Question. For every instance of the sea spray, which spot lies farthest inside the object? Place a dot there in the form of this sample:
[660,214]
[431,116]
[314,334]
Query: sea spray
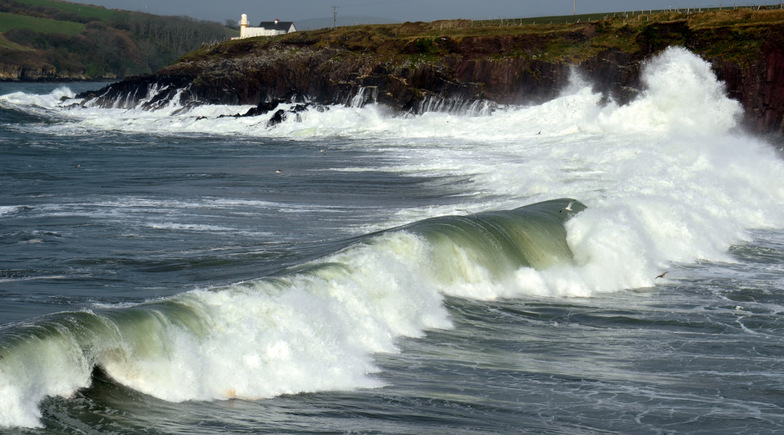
[682,189]
[681,96]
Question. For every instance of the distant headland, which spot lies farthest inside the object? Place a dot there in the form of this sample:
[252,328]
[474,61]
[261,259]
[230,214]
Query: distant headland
[416,66]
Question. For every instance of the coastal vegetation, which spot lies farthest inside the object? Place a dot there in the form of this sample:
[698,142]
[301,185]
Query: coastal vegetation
[57,40]
[730,31]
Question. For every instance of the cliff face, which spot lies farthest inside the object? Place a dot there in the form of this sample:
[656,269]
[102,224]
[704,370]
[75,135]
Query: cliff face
[24,66]
[416,66]
[759,87]
[31,73]
[20,73]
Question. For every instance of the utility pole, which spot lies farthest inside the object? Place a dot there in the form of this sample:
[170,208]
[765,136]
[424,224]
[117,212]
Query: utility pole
[575,7]
[335,16]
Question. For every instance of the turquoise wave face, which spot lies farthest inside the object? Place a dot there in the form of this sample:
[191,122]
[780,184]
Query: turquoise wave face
[501,241]
[310,328]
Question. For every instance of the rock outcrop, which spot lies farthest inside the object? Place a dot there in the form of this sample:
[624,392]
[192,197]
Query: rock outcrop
[417,67]
[25,66]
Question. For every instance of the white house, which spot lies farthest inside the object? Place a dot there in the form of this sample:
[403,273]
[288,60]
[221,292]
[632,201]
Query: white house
[266,28]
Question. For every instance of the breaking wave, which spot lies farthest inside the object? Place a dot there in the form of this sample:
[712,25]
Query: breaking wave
[311,328]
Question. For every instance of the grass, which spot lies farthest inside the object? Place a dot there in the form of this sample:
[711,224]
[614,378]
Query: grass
[78,9]
[41,25]
[731,33]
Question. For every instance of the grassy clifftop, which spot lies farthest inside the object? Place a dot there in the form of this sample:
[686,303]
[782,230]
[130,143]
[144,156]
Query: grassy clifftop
[738,33]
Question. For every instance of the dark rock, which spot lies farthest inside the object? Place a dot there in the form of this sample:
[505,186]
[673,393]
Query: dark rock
[277,118]
[262,108]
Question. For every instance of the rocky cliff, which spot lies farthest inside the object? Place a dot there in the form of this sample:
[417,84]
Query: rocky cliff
[447,64]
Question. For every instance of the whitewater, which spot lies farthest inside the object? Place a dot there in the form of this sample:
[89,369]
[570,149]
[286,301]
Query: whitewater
[576,266]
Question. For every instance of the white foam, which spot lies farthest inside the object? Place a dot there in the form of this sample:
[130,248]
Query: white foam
[668,178]
[9,209]
[51,366]
[307,332]
[188,227]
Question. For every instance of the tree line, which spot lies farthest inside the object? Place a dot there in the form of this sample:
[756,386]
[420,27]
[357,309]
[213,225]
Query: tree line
[114,44]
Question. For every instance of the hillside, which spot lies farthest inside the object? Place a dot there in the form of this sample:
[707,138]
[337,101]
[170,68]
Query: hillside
[57,40]
[415,67]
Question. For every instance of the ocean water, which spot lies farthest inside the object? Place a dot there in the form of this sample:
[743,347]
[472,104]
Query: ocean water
[352,270]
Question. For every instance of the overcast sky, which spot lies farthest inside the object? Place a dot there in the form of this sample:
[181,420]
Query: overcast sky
[396,10]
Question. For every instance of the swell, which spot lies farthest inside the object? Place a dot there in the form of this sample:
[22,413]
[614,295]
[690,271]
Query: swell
[310,328]
[14,116]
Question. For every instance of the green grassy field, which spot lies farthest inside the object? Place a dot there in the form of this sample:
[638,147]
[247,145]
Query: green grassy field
[41,25]
[78,9]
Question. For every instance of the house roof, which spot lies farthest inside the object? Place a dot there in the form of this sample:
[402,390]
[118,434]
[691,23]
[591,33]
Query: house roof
[277,25]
